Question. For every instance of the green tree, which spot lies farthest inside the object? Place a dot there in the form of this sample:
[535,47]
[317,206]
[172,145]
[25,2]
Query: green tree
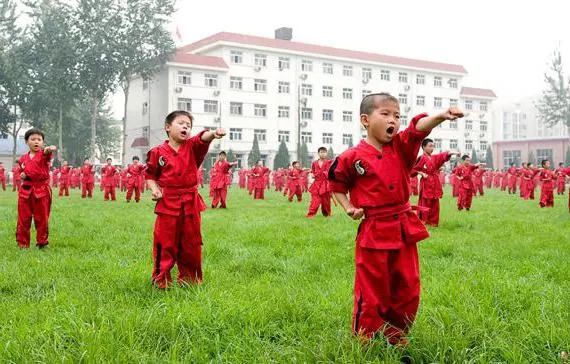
[207,164]
[474,158]
[531,157]
[489,157]
[254,155]
[282,158]
[568,157]
[554,104]
[305,156]
[330,153]
[231,157]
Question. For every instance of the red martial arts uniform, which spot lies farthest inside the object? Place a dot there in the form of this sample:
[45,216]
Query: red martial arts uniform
[87,180]
[64,180]
[55,177]
[219,183]
[454,183]
[241,178]
[320,189]
[387,279]
[3,178]
[108,181]
[16,180]
[560,181]
[527,183]
[177,236]
[478,182]
[512,180]
[431,189]
[547,188]
[34,199]
[259,177]
[414,185]
[466,187]
[134,174]
[201,177]
[295,185]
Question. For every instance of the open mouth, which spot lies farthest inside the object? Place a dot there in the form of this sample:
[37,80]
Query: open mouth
[184,133]
[390,131]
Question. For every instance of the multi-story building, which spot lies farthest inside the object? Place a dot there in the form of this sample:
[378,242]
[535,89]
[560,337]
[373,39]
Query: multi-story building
[277,89]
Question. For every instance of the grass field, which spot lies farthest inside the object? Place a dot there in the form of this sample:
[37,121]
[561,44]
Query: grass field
[278,287]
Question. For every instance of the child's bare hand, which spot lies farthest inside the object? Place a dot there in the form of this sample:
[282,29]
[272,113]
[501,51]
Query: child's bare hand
[156,194]
[219,133]
[50,149]
[23,175]
[452,113]
[354,213]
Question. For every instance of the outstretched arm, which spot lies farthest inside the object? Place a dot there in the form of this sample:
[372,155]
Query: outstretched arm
[430,122]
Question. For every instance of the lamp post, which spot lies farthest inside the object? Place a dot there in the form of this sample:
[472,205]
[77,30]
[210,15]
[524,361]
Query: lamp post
[301,103]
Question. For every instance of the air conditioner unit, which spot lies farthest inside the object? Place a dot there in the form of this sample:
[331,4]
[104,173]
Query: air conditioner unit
[482,135]
[178,90]
[257,69]
[303,100]
[303,76]
[145,129]
[217,119]
[466,134]
[407,87]
[408,108]
[217,93]
[365,80]
[481,116]
[304,123]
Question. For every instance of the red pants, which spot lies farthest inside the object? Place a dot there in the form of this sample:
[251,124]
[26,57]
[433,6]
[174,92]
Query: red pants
[479,188]
[546,196]
[38,209]
[295,191]
[130,189]
[455,190]
[87,189]
[430,217]
[320,200]
[219,196]
[3,182]
[259,193]
[63,189]
[177,240]
[464,199]
[110,191]
[16,185]
[386,291]
[561,186]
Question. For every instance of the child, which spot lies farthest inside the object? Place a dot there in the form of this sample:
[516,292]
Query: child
[108,180]
[171,175]
[34,195]
[466,188]
[87,179]
[560,179]
[259,173]
[3,176]
[134,172]
[219,181]
[294,182]
[431,189]
[64,178]
[547,188]
[16,180]
[320,190]
[376,174]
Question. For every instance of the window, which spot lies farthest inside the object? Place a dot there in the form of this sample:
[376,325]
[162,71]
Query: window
[260,60]
[420,79]
[185,104]
[327,115]
[211,106]
[437,81]
[437,102]
[307,137]
[306,66]
[347,93]
[366,93]
[482,145]
[236,83]
[184,78]
[306,90]
[468,105]
[328,68]
[283,87]
[468,124]
[543,154]
[346,139]
[468,144]
[347,71]
[385,75]
[403,99]
[327,91]
[420,100]
[260,85]
[453,102]
[347,116]
[283,111]
[511,156]
[283,63]
[437,144]
[453,82]
[453,144]
[483,126]
[453,124]
[403,120]
[236,108]
[211,80]
[261,135]
[283,136]
[483,106]
[235,134]
[239,159]
[327,138]
[367,74]
[403,77]
[260,110]
[307,113]
[236,57]
[145,83]
[145,108]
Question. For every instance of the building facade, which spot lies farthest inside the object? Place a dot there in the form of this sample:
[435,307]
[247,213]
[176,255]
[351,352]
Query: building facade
[277,89]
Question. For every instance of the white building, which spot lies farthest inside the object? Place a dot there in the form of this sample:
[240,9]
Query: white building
[279,89]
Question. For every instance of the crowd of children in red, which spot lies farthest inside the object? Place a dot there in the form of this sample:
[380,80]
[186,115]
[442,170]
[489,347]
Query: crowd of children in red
[373,180]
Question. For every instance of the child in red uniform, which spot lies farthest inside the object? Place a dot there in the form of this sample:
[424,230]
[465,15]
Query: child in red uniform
[320,190]
[172,177]
[431,189]
[259,173]
[87,179]
[134,172]
[547,178]
[64,178]
[34,196]
[16,180]
[219,182]
[478,182]
[2,176]
[560,179]
[376,174]
[108,180]
[294,182]
[466,188]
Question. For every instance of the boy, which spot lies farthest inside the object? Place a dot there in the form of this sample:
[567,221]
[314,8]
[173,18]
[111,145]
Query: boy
[560,179]
[64,178]
[3,176]
[466,188]
[219,182]
[134,172]
[171,175]
[320,190]
[258,173]
[294,182]
[431,189]
[547,188]
[108,180]
[16,180]
[87,179]
[376,173]
[34,195]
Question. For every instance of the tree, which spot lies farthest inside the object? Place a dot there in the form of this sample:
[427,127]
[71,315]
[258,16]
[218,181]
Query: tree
[231,157]
[474,158]
[350,145]
[568,157]
[330,153]
[207,164]
[304,156]
[143,43]
[255,154]
[282,158]
[554,104]
[531,157]
[489,157]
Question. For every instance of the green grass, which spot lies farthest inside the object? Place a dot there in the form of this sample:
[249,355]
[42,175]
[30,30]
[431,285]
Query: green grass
[278,287]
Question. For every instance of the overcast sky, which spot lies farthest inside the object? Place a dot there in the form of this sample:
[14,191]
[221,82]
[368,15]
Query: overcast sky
[504,45]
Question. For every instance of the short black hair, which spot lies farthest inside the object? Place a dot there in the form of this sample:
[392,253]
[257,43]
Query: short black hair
[560,164]
[543,163]
[33,131]
[426,141]
[222,153]
[109,159]
[86,159]
[136,158]
[465,156]
[322,149]
[369,102]
[528,164]
[294,162]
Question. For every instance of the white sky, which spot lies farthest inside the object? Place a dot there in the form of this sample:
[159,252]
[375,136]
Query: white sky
[505,45]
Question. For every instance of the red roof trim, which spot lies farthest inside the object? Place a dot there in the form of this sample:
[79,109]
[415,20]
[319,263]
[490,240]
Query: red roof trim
[198,59]
[140,142]
[482,92]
